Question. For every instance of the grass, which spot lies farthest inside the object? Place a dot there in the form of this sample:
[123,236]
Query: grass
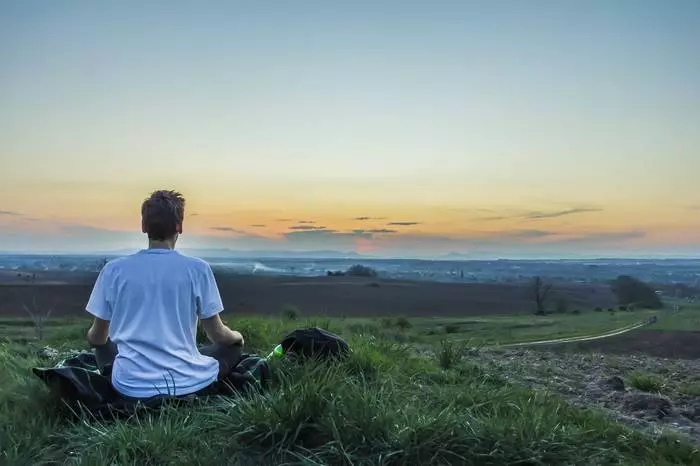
[391,403]
[515,329]
[688,320]
[474,331]
[646,382]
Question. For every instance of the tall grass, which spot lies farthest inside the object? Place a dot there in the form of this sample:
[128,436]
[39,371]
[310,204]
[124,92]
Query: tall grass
[385,405]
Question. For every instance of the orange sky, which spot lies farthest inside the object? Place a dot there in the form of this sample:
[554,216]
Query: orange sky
[499,131]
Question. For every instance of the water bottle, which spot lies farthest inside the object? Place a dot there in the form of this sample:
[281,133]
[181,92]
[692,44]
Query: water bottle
[278,352]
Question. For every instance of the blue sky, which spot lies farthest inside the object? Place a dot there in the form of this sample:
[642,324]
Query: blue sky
[447,114]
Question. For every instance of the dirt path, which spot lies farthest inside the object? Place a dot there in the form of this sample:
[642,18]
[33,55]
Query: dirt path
[611,333]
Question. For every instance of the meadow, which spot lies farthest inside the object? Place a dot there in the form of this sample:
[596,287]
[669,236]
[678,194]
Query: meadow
[409,394]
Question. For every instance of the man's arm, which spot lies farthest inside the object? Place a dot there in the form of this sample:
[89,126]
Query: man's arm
[100,306]
[98,333]
[218,332]
[209,307]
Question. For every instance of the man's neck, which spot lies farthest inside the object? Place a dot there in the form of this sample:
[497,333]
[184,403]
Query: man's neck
[167,244]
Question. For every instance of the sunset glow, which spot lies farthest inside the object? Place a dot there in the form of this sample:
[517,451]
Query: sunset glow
[495,129]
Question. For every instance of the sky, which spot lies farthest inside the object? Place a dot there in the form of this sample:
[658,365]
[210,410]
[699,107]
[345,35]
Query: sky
[535,128]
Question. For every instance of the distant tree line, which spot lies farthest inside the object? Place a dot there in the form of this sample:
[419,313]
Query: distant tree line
[356,270]
[629,292]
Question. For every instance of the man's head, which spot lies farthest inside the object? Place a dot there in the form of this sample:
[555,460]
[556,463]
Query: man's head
[162,215]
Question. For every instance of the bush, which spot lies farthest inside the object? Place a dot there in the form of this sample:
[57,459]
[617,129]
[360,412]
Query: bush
[629,290]
[576,311]
[358,270]
[599,309]
[451,328]
[290,312]
[690,389]
[646,382]
[450,354]
[622,308]
[403,323]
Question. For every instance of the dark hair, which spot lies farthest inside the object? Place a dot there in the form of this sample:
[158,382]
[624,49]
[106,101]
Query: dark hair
[161,214]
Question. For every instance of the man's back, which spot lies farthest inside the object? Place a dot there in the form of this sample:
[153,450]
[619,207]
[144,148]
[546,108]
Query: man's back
[153,299]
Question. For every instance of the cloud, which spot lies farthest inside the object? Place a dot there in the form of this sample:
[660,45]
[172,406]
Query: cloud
[559,213]
[322,239]
[403,224]
[606,237]
[284,220]
[382,231]
[525,234]
[10,213]
[694,207]
[306,222]
[57,236]
[539,215]
[325,238]
[229,230]
[310,233]
[362,219]
[307,228]
[79,229]
[258,225]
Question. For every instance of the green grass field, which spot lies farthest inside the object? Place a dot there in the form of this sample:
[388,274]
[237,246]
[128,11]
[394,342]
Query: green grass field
[407,395]
[688,320]
[474,331]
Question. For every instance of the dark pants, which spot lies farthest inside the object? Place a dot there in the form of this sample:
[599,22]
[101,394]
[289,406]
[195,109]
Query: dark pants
[227,356]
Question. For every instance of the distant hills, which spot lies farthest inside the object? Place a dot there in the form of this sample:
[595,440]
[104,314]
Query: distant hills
[332,254]
[239,254]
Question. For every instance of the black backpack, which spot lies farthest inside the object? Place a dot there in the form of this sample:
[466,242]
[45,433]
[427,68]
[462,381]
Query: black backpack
[315,343]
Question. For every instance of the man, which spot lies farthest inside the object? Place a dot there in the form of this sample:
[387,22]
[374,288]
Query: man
[146,307]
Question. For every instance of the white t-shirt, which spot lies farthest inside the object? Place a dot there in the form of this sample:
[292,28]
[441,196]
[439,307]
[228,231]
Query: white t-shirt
[153,299]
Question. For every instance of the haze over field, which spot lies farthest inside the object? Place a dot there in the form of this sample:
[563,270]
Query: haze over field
[507,128]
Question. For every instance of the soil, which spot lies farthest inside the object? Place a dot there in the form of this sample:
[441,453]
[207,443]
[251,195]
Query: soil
[603,381]
[67,293]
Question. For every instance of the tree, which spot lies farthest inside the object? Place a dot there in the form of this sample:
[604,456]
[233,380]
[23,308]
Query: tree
[540,292]
[38,314]
[631,291]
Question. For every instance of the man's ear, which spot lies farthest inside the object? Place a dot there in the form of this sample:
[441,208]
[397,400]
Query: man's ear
[178,228]
[143,227]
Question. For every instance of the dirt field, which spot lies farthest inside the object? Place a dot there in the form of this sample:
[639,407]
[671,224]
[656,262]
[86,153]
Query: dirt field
[656,343]
[333,296]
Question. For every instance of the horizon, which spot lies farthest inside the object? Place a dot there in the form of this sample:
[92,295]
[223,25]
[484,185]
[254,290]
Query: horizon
[233,254]
[392,130]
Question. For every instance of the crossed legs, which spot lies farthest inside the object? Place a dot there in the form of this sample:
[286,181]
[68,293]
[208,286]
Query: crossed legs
[227,356]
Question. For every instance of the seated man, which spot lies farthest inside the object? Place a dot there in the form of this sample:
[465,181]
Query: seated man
[146,307]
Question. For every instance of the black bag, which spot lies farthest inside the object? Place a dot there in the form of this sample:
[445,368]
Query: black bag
[315,343]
